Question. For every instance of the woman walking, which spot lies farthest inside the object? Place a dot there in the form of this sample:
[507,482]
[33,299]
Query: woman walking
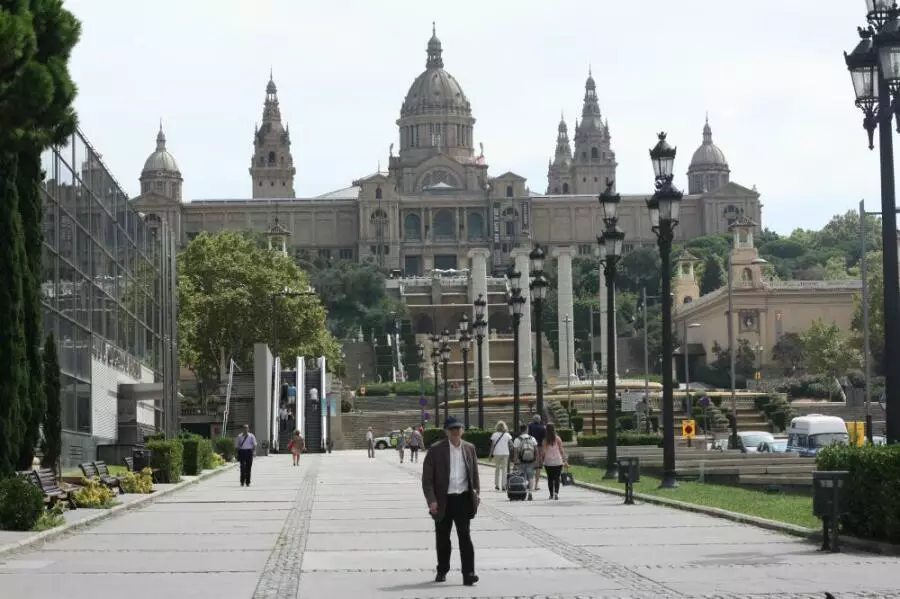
[500,441]
[296,447]
[554,458]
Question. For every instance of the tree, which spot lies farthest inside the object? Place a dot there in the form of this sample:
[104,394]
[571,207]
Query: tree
[51,444]
[355,296]
[788,352]
[229,299]
[713,275]
[828,351]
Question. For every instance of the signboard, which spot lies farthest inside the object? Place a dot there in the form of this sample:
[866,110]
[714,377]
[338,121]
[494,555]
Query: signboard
[526,217]
[688,429]
[630,400]
[496,226]
[362,390]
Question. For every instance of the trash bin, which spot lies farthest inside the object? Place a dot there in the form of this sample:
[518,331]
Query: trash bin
[141,458]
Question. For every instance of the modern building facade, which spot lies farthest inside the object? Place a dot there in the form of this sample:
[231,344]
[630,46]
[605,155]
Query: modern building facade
[109,299]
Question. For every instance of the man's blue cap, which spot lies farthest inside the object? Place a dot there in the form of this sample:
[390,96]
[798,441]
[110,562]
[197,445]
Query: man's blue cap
[452,422]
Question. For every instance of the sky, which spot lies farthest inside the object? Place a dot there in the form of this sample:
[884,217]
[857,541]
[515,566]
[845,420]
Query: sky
[770,74]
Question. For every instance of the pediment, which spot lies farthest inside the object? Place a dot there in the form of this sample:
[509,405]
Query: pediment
[150,201]
[373,178]
[440,173]
[732,189]
[510,175]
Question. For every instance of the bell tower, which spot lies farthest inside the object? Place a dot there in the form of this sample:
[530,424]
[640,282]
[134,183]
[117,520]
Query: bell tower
[746,265]
[686,287]
[272,166]
[594,160]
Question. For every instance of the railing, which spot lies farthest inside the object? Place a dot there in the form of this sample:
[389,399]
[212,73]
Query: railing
[110,355]
[836,284]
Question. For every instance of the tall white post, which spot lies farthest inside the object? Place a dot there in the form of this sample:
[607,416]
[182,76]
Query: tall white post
[526,374]
[565,314]
[478,263]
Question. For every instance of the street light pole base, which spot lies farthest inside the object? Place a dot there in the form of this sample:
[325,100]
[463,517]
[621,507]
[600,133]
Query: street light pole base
[612,473]
[668,482]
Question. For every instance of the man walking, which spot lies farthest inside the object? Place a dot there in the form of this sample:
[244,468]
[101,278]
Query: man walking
[451,486]
[246,446]
[370,442]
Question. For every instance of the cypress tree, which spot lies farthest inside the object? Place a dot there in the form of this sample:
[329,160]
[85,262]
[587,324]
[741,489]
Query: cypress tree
[713,275]
[51,445]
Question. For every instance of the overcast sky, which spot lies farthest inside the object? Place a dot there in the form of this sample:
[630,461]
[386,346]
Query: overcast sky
[770,73]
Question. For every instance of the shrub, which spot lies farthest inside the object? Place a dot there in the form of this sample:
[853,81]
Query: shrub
[622,439]
[141,483]
[566,434]
[578,423]
[777,408]
[50,518]
[346,406]
[376,389]
[628,422]
[217,461]
[93,494]
[874,485]
[191,463]
[481,439]
[413,388]
[206,454]
[432,435]
[167,456]
[224,446]
[21,504]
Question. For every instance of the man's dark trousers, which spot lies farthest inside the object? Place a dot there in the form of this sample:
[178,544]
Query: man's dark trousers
[458,512]
[245,457]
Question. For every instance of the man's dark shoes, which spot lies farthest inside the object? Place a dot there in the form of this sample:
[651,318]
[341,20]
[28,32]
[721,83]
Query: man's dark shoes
[469,579]
[441,577]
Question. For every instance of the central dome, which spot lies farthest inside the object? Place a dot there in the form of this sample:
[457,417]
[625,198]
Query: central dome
[435,91]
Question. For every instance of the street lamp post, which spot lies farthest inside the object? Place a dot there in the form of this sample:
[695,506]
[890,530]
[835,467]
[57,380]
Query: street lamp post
[664,207]
[611,250]
[516,305]
[445,358]
[688,401]
[480,331]
[539,286]
[420,356]
[874,67]
[435,362]
[465,342]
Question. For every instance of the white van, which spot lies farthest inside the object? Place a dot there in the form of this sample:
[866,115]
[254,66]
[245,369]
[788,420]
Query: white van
[808,434]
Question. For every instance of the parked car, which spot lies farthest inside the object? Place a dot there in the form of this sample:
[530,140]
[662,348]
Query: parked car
[749,441]
[808,434]
[776,446]
[389,440]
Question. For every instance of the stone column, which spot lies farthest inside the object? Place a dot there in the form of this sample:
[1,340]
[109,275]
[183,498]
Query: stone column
[526,375]
[604,310]
[565,307]
[478,263]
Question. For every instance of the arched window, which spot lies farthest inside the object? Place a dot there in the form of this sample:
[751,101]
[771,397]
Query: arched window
[594,153]
[444,225]
[688,299]
[509,191]
[271,158]
[412,227]
[476,226]
[509,225]
[565,188]
[377,193]
[747,275]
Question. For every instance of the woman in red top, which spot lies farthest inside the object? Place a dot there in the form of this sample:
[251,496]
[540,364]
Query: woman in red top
[296,447]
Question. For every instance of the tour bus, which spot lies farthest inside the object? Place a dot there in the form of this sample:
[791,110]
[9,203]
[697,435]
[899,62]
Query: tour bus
[809,434]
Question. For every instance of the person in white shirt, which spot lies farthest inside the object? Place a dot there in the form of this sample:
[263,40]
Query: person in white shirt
[246,446]
[500,442]
[370,442]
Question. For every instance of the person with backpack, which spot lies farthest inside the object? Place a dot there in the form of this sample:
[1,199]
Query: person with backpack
[500,441]
[553,458]
[537,430]
[415,443]
[525,451]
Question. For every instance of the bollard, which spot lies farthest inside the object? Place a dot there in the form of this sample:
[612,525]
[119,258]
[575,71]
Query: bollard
[829,504]
[629,473]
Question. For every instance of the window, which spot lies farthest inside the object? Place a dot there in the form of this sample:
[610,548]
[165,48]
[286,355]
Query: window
[385,250]
[509,191]
[325,253]
[412,227]
[594,153]
[412,265]
[688,299]
[565,188]
[271,158]
[378,193]
[584,156]
[585,249]
[345,253]
[444,224]
[476,226]
[747,275]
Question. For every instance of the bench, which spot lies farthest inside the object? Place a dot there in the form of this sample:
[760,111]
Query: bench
[129,463]
[45,480]
[100,471]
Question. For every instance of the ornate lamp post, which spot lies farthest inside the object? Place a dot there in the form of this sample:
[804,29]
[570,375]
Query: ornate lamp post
[539,286]
[420,356]
[875,72]
[664,207]
[516,305]
[465,342]
[445,358]
[480,327]
[610,251]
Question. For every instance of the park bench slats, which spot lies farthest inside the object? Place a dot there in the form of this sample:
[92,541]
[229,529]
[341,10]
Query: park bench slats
[45,480]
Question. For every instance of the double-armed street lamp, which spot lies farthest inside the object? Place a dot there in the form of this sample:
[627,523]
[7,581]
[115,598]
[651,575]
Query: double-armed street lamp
[610,251]
[664,207]
[445,358]
[465,342]
[539,286]
[875,73]
[480,327]
[516,304]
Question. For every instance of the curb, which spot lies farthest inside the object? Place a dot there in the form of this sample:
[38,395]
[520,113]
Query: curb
[53,533]
[811,534]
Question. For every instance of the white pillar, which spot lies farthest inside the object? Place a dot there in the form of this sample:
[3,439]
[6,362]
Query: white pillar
[565,308]
[604,310]
[526,376]
[478,263]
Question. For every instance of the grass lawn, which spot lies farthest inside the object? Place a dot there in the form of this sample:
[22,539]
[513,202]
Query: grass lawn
[77,473]
[780,507]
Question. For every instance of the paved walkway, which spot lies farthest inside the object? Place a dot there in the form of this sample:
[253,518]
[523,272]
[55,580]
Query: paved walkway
[343,526]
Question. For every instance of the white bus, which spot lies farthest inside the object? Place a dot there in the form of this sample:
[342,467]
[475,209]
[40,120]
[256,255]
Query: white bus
[808,434]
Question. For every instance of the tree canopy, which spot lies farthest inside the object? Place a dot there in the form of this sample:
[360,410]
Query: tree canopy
[230,294]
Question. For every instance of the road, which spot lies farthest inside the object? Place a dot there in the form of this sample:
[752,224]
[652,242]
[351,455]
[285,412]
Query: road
[342,526]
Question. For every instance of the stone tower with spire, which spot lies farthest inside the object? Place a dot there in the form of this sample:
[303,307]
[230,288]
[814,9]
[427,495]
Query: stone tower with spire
[160,174]
[559,171]
[272,166]
[594,160]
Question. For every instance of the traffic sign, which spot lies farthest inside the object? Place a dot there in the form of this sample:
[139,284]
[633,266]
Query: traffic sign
[423,402]
[688,429]
[362,390]
[426,415]
[704,401]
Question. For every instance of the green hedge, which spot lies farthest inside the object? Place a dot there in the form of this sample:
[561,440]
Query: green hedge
[21,504]
[629,423]
[566,434]
[578,423]
[206,454]
[408,388]
[191,460]
[477,437]
[622,439]
[431,435]
[874,486]
[168,457]
[224,446]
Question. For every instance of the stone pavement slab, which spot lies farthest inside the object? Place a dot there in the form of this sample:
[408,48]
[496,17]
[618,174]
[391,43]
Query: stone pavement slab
[343,526]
